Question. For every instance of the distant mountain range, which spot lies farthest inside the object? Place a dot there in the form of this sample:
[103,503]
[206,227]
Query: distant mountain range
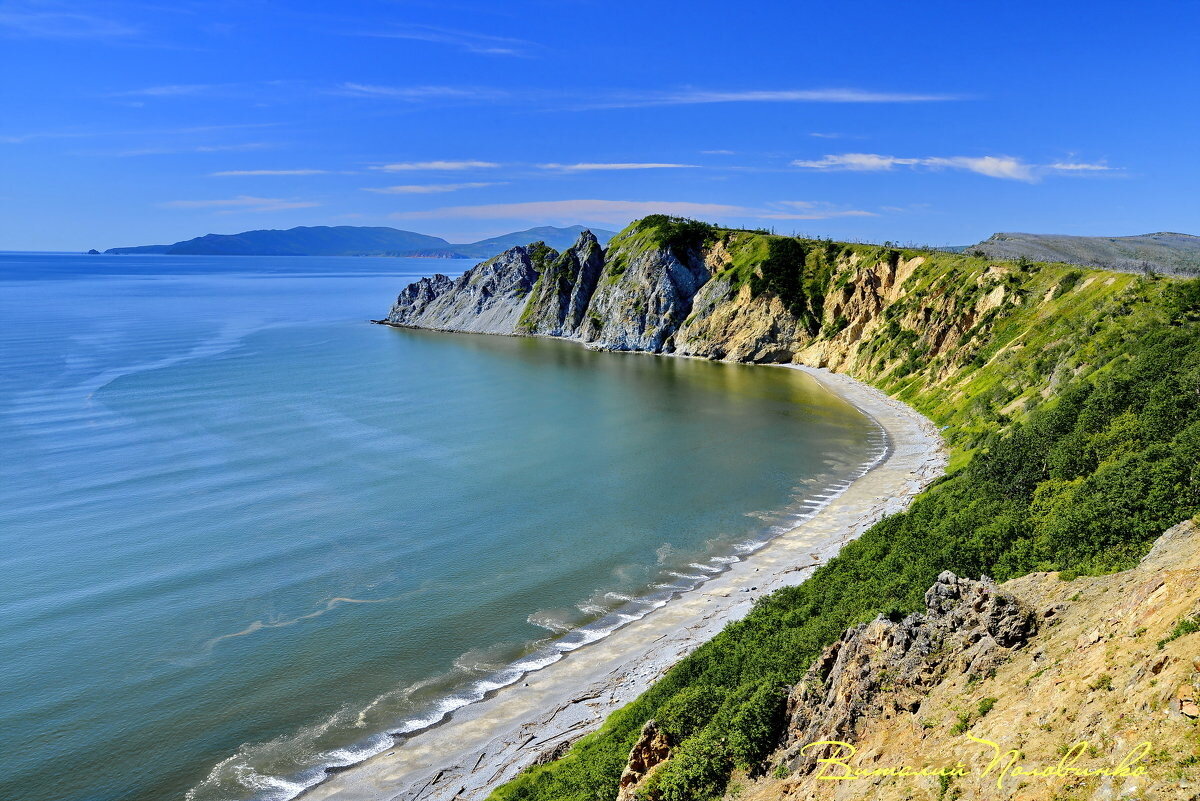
[353,240]
[1163,252]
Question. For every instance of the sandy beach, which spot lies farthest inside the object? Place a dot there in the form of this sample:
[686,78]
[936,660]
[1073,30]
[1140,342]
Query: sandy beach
[489,742]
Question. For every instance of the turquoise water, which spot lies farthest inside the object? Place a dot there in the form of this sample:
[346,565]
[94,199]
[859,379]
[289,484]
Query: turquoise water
[246,534]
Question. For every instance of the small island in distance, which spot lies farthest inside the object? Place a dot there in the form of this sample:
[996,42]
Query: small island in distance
[354,240]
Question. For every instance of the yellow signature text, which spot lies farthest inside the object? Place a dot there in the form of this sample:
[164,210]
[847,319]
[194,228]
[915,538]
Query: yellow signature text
[835,764]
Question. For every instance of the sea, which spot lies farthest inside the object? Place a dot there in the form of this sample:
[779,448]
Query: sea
[247,536]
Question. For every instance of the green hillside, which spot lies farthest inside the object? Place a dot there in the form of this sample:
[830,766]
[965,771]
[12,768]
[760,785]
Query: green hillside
[1071,402]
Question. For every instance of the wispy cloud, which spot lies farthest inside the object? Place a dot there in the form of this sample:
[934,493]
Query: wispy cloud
[270,172]
[168,90]
[417,166]
[241,203]
[1004,167]
[719,152]
[165,151]
[469,41]
[59,21]
[811,210]
[627,165]
[92,133]
[426,189]
[1072,166]
[419,93]
[704,96]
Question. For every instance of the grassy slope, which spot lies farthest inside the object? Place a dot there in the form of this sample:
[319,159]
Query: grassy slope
[1095,453]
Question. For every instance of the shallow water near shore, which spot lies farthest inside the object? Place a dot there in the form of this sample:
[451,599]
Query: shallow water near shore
[247,534]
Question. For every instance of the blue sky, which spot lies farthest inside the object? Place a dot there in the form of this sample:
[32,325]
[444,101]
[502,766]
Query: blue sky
[132,123]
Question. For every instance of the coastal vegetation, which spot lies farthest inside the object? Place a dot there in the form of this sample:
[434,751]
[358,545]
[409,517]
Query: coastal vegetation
[1070,400]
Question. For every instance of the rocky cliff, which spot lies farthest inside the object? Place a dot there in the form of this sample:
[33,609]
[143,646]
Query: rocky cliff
[633,297]
[487,299]
[666,285]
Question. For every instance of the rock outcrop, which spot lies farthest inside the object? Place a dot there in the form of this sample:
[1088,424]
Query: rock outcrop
[884,668]
[1078,673]
[632,298]
[652,749]
[487,299]
[560,297]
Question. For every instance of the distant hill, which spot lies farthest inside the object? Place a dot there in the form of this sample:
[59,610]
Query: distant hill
[557,238]
[321,240]
[353,240]
[1164,252]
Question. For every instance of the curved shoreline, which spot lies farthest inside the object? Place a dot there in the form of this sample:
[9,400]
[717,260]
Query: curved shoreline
[488,742]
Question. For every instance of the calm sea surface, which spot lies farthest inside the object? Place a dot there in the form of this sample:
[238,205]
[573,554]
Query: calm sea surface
[245,534]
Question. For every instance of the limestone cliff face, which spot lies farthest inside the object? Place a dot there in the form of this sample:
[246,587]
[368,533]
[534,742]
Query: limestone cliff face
[644,295]
[487,299]
[561,295]
[729,321]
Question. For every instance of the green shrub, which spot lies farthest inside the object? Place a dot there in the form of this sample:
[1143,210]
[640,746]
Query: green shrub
[690,711]
[1067,283]
[698,770]
[961,724]
[677,233]
[1189,625]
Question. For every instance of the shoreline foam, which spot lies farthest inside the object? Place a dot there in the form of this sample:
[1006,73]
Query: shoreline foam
[479,745]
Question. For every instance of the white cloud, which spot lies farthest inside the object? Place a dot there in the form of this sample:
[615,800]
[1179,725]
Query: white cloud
[270,172]
[169,90]
[629,165]
[241,203]
[409,166]
[614,211]
[991,166]
[47,21]
[1005,167]
[812,210]
[426,189]
[159,151]
[719,152]
[91,133]
[866,162]
[469,41]
[1071,166]
[702,96]
[415,93]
